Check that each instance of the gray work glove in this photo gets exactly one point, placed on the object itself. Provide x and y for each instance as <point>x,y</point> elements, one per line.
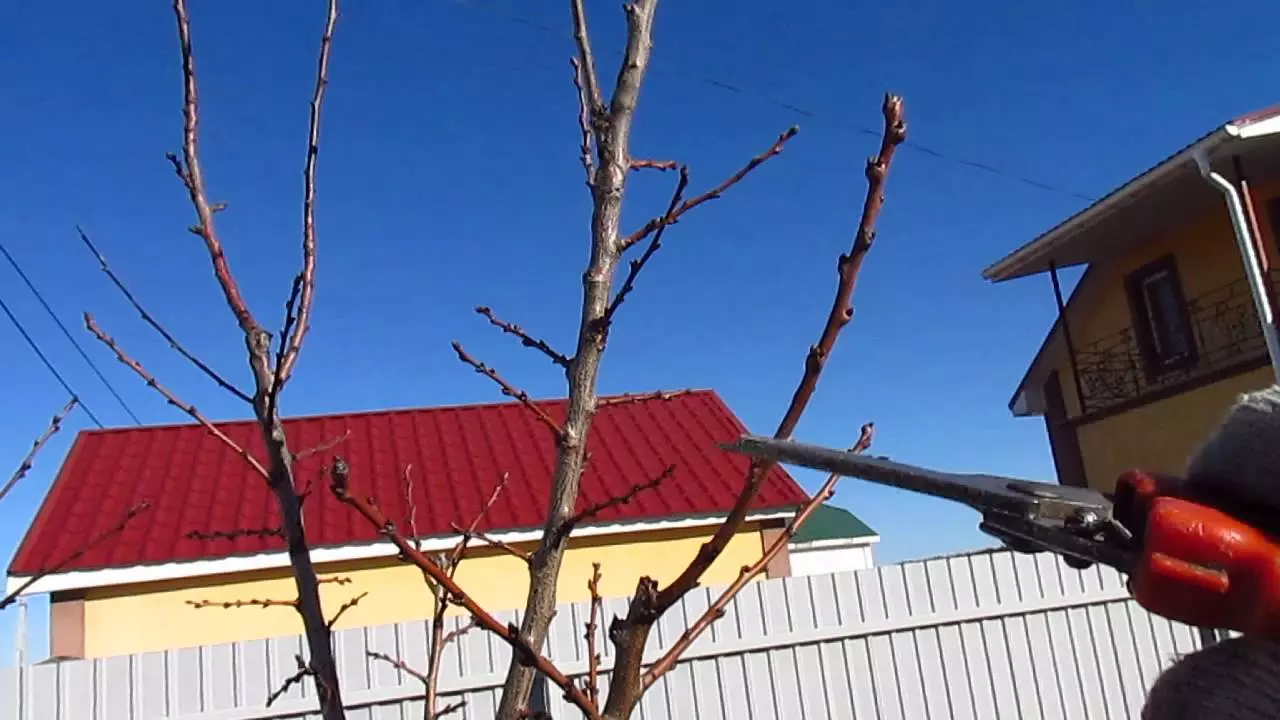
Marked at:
<point>1237,678</point>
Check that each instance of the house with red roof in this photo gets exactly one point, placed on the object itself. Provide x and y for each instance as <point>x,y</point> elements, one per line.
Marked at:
<point>161,582</point>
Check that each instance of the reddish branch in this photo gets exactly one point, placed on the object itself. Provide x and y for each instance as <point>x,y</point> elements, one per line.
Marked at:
<point>750,572</point>
<point>630,633</point>
<point>80,552</point>
<point>672,216</point>
<point>592,688</point>
<point>24,467</point>
<point>340,486</point>
<point>642,397</point>
<point>508,389</point>
<point>168,395</point>
<point>150,319</point>
<point>322,447</point>
<point>261,533</point>
<point>526,339</point>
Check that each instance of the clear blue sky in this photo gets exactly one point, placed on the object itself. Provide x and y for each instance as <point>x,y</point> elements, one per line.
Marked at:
<point>449,177</point>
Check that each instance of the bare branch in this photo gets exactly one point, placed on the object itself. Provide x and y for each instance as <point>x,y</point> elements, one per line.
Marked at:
<point>252,602</point>
<point>340,486</point>
<point>840,315</point>
<point>235,534</point>
<point>345,607</point>
<point>592,688</point>
<point>461,548</point>
<point>80,552</point>
<point>508,389</point>
<point>285,367</point>
<point>192,176</point>
<point>149,319</point>
<point>322,447</point>
<point>663,165</point>
<point>627,399</point>
<point>585,113</point>
<point>277,374</point>
<point>173,400</point>
<point>624,499</point>
<point>654,245</point>
<point>630,633</point>
<point>28,462</point>
<point>398,664</point>
<point>590,82</point>
<point>717,608</point>
<point>526,339</point>
<point>671,217</point>
<point>304,670</point>
<point>491,541</point>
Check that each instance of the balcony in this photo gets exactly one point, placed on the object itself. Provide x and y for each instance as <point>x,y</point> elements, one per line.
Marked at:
<point>1224,326</point>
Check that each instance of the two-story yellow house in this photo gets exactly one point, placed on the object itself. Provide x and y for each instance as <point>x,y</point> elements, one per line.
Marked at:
<point>208,537</point>
<point>1172,317</point>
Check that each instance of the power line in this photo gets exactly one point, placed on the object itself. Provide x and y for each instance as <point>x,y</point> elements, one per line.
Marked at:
<point>92,365</point>
<point>52,370</point>
<point>803,112</point>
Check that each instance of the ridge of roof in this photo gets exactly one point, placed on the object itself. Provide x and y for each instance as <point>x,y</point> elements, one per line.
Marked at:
<point>644,396</point>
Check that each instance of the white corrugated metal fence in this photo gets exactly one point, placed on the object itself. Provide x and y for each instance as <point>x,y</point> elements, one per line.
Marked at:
<point>981,636</point>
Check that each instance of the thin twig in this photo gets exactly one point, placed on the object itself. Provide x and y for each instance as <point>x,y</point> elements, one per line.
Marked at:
<point>633,271</point>
<point>340,484</point>
<point>717,608</point>
<point>261,533</point>
<point>24,467</point>
<point>592,688</point>
<point>345,607</point>
<point>526,339</point>
<point>304,670</point>
<point>624,499</point>
<point>173,400</point>
<point>587,143</point>
<point>629,398</point>
<point>277,374</point>
<point>398,664</point>
<point>461,547</point>
<point>322,447</point>
<point>671,217</point>
<point>491,541</point>
<point>663,165</point>
<point>586,59</point>
<point>80,552</point>
<point>508,389</point>
<point>294,342</point>
<point>252,602</point>
<point>150,319</point>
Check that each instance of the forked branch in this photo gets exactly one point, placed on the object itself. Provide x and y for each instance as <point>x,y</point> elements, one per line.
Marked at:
<point>28,462</point>
<point>526,339</point>
<point>508,389</point>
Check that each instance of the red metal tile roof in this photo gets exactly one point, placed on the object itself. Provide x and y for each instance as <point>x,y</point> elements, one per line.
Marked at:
<point>195,483</point>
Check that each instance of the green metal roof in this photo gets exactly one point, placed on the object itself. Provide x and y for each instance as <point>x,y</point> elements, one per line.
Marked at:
<point>829,522</point>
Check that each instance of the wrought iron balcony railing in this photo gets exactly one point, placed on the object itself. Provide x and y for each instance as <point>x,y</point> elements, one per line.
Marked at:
<point>1224,326</point>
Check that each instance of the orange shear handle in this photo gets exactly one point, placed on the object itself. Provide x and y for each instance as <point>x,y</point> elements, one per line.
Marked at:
<point>1198,564</point>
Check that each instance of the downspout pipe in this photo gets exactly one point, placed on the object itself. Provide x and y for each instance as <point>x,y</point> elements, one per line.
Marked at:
<point>1248,253</point>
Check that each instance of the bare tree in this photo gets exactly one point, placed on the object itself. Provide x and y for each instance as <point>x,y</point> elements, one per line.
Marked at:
<point>604,126</point>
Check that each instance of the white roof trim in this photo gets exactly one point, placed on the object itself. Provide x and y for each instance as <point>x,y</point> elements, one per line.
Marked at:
<point>834,543</point>
<point>1048,241</point>
<point>83,579</point>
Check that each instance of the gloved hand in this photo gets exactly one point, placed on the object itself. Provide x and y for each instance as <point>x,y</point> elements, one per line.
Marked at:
<point>1237,678</point>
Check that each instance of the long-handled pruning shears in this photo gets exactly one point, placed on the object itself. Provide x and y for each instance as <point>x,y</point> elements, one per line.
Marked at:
<point>1192,556</point>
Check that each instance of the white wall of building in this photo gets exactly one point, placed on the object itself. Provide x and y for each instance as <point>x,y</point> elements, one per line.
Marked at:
<point>817,559</point>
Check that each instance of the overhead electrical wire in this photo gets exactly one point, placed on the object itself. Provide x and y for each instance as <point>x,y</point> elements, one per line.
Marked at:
<point>70,338</point>
<point>48,365</point>
<point>790,107</point>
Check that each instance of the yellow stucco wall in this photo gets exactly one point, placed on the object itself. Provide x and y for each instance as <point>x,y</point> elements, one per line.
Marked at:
<point>131,619</point>
<point>1161,435</point>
